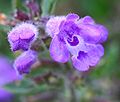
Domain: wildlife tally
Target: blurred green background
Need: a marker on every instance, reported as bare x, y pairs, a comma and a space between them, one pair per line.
102, 84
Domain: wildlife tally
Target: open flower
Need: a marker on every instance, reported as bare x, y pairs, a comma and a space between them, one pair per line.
21, 36
24, 62
80, 38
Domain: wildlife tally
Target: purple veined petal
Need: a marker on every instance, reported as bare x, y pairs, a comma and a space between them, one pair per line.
80, 45
84, 60
58, 51
86, 20
100, 49
14, 46
72, 17
13, 35
24, 45
68, 29
95, 53
80, 64
103, 32
27, 30
90, 33
28, 34
20, 44
52, 26
24, 62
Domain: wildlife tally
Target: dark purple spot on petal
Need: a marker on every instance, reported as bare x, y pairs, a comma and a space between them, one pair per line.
81, 55
74, 41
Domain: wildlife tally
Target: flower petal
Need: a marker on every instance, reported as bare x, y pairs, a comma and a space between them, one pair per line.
52, 26
72, 17
28, 34
14, 46
13, 36
86, 20
80, 64
90, 33
84, 60
94, 54
58, 51
20, 44
103, 32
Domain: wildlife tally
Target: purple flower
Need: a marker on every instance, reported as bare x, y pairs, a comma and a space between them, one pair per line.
7, 75
79, 38
24, 62
21, 36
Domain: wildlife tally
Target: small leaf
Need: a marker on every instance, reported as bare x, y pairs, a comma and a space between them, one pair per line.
26, 86
5, 6
48, 6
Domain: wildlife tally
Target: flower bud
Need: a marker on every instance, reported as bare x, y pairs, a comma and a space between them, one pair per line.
24, 62
21, 36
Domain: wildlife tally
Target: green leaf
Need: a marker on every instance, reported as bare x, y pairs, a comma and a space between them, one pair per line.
26, 86
22, 87
99, 9
4, 45
48, 6
5, 6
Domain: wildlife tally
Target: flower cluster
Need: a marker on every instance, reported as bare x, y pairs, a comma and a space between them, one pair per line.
20, 38
79, 38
